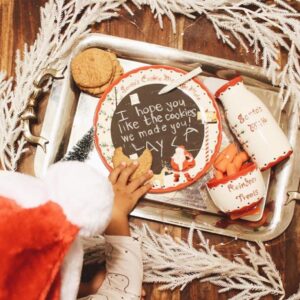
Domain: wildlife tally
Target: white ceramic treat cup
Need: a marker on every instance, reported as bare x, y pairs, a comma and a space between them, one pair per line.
240, 192
253, 125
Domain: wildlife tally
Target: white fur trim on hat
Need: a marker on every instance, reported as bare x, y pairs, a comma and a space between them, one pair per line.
85, 195
71, 271
26, 190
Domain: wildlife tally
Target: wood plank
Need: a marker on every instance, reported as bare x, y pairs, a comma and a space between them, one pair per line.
200, 37
19, 23
142, 26
6, 32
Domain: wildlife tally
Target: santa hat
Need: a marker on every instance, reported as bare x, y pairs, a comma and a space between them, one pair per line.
41, 221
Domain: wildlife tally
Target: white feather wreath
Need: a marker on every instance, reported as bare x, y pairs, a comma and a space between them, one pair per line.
176, 263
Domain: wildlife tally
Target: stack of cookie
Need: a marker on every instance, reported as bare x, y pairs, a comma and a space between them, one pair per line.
94, 70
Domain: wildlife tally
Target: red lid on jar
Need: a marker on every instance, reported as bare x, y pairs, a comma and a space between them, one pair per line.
230, 83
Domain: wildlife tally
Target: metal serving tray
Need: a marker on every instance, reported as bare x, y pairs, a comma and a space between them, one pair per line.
69, 115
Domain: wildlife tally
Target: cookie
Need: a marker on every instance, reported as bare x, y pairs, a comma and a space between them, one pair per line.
145, 161
92, 68
95, 91
98, 91
118, 71
112, 56
92, 91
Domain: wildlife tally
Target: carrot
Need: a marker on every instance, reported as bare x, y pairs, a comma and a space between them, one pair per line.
218, 174
243, 156
237, 161
219, 158
231, 152
231, 169
222, 165
228, 152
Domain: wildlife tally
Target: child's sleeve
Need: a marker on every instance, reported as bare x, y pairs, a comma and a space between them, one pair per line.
124, 269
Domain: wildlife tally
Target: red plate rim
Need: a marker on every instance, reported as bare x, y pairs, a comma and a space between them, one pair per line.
217, 147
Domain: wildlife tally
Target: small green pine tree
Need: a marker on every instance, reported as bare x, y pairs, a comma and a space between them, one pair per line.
81, 150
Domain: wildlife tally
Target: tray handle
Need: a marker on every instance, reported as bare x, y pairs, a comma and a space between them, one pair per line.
29, 113
292, 196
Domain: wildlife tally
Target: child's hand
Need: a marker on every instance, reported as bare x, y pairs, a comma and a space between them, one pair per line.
126, 195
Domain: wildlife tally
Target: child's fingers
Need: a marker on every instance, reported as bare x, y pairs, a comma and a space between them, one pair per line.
114, 174
142, 191
136, 183
126, 173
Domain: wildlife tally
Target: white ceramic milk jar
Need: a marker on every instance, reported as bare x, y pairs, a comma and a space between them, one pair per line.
254, 126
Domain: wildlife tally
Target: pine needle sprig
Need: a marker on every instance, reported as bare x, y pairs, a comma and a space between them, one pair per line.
175, 263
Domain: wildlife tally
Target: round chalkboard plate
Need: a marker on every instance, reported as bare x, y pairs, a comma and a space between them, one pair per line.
182, 128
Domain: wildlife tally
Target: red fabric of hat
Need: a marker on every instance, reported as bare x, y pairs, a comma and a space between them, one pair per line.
33, 244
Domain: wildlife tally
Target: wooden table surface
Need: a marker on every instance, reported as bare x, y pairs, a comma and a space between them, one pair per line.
19, 21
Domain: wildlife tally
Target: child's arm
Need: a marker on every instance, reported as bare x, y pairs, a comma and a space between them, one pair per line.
127, 195
123, 274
